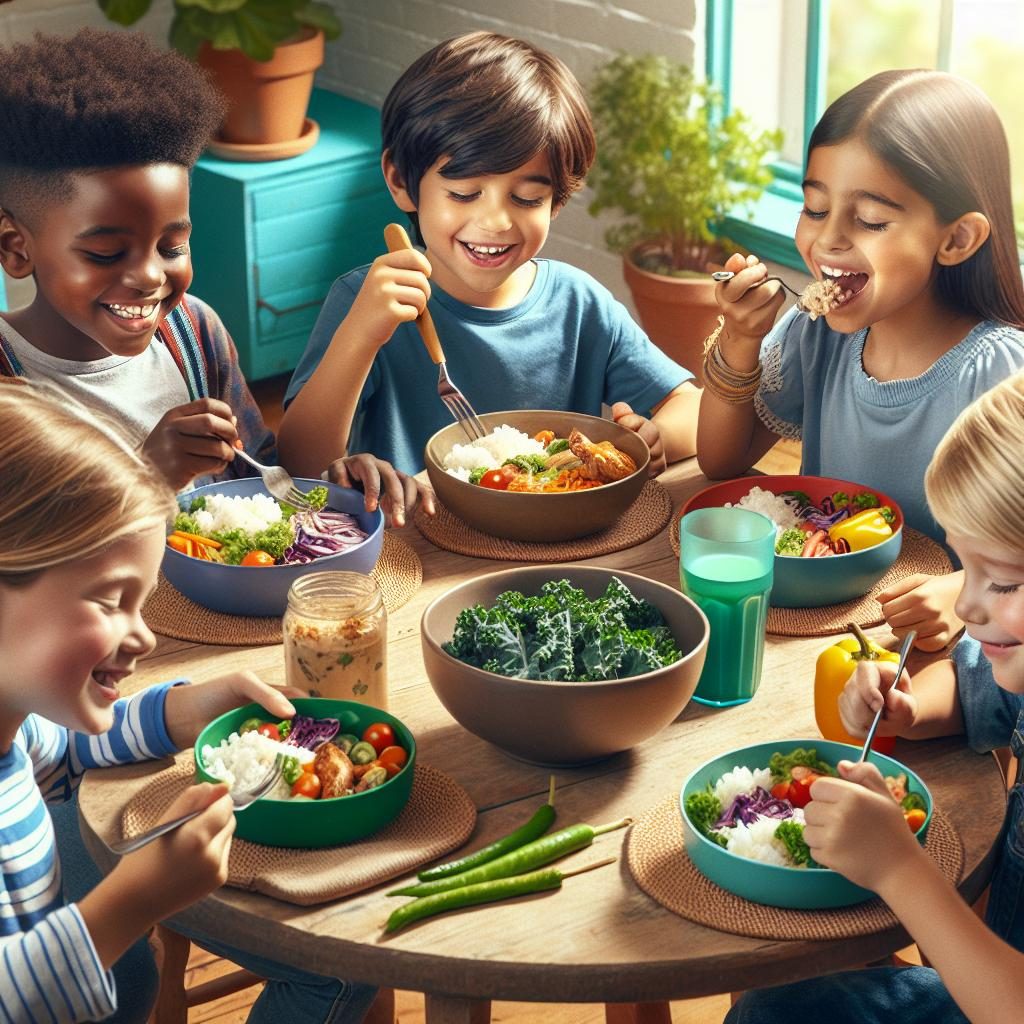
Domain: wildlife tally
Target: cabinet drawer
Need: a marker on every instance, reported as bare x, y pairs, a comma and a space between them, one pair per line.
323, 186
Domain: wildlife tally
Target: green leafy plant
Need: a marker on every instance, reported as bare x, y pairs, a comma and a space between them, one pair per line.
255, 27
671, 161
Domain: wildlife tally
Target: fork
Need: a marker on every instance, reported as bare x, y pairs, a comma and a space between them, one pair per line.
241, 800
908, 642
728, 275
458, 404
278, 482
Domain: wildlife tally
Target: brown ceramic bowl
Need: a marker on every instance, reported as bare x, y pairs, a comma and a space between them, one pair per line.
538, 517
554, 723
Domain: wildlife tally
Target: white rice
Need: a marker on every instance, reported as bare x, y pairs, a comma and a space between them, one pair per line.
229, 512
243, 760
491, 451
757, 841
776, 508
741, 780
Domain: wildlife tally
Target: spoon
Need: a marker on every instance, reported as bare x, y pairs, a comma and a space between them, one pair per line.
908, 642
728, 275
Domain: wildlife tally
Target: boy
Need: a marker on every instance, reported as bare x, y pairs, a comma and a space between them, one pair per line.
485, 138
98, 133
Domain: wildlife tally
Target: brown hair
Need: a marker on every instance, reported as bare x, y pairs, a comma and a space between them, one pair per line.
489, 103
942, 135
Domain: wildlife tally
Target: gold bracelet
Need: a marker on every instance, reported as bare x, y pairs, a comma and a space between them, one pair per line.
731, 386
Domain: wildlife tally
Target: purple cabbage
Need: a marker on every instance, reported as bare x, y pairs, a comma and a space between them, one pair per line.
311, 732
322, 533
748, 807
820, 519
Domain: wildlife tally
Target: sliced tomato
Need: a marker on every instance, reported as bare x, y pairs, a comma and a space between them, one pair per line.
393, 758
307, 784
499, 479
270, 730
800, 789
781, 790
379, 735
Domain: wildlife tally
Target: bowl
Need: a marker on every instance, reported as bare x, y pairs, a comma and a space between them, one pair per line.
562, 723
517, 515
309, 824
813, 582
798, 888
263, 590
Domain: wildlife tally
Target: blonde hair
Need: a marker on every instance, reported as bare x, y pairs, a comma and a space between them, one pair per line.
68, 488
975, 480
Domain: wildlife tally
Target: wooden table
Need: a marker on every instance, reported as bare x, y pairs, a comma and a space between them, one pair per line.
599, 939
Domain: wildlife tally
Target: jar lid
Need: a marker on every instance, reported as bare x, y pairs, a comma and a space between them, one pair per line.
334, 594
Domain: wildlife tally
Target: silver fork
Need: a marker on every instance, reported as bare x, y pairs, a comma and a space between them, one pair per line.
458, 404
278, 481
908, 642
241, 800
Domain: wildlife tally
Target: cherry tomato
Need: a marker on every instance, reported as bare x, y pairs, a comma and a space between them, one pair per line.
781, 791
393, 758
498, 479
800, 790
258, 558
270, 730
307, 784
379, 735
915, 818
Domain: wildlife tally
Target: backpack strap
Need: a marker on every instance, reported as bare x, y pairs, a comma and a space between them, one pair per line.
179, 331
9, 365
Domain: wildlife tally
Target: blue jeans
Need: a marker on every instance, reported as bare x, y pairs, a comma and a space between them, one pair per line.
290, 994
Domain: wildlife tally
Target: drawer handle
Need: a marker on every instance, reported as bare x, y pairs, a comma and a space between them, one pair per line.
280, 310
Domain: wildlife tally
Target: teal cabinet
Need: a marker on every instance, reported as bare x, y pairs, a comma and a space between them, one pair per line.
268, 239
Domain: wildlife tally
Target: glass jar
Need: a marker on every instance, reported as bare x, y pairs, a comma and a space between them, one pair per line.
335, 637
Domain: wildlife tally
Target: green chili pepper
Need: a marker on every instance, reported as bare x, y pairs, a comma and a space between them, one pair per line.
533, 855
291, 769
284, 727
533, 829
249, 725
483, 892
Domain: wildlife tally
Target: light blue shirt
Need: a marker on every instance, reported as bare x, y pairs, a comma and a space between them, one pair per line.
880, 434
568, 345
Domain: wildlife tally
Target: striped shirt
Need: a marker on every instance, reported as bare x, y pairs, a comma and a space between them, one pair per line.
49, 969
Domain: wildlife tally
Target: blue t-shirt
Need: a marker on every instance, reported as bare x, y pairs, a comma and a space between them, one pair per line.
879, 434
568, 345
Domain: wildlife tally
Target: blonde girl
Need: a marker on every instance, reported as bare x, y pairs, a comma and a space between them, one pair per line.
974, 485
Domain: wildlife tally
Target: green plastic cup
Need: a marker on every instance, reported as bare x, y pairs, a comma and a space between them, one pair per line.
726, 562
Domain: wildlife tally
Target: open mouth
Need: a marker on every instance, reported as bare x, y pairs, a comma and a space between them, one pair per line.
108, 682
486, 255
139, 312
849, 282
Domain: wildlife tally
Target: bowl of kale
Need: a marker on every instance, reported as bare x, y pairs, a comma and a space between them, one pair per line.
563, 665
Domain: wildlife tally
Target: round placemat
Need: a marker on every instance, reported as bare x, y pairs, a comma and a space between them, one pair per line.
659, 864
398, 573
918, 553
439, 817
640, 522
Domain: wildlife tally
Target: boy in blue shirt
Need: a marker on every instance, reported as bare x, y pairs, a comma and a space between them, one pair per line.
485, 139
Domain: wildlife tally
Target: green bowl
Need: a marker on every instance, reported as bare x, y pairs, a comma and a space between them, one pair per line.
800, 888
308, 824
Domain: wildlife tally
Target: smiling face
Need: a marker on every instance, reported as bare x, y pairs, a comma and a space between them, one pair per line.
992, 605
109, 263
482, 232
71, 635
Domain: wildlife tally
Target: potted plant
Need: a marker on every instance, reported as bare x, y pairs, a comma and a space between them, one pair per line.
262, 55
673, 164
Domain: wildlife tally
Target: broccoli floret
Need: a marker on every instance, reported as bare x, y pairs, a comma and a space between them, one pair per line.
316, 496
185, 523
866, 500
791, 835
560, 444
790, 542
840, 499
913, 802
527, 463
237, 543
887, 514
703, 809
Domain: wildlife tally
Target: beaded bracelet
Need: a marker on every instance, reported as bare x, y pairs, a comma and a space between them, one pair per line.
731, 386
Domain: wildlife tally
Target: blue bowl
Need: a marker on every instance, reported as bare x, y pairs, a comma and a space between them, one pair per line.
799, 888
813, 582
263, 590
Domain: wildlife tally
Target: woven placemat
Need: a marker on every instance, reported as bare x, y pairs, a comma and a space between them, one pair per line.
438, 818
645, 518
918, 553
659, 864
398, 572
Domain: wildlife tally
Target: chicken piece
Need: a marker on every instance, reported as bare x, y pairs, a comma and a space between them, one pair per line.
334, 770
601, 461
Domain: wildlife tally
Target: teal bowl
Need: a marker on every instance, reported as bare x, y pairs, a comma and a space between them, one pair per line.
798, 888
309, 824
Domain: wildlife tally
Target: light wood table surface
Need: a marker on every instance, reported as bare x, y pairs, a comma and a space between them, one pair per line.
600, 938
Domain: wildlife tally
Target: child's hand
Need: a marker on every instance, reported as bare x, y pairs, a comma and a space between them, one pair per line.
189, 709
749, 311
191, 440
372, 475
395, 291
855, 827
924, 603
623, 414
863, 696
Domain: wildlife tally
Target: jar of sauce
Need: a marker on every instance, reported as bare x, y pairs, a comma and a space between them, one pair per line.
335, 637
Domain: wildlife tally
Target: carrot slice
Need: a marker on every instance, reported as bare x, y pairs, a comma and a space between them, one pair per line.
205, 541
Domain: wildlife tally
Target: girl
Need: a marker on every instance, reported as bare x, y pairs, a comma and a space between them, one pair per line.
907, 208
973, 486
80, 548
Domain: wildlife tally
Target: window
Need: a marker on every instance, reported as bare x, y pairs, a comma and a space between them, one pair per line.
783, 61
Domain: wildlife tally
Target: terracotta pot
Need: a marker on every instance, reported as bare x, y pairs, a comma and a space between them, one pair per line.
677, 313
267, 100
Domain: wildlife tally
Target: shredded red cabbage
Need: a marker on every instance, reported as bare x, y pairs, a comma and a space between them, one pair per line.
311, 732
748, 807
821, 519
322, 533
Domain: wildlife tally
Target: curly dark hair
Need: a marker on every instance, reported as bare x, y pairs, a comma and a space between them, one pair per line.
96, 100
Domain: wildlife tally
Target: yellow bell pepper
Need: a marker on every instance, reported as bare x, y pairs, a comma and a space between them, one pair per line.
833, 668
863, 530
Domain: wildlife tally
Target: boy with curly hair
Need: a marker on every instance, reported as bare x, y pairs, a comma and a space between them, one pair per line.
485, 138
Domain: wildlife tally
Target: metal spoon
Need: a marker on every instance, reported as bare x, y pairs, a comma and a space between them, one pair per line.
728, 275
908, 642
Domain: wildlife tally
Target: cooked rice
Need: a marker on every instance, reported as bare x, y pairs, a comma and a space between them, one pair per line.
757, 841
819, 298
776, 508
230, 512
741, 780
243, 760
491, 451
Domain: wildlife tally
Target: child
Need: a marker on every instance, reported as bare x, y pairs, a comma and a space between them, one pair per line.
98, 133
973, 483
907, 206
485, 139
82, 525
